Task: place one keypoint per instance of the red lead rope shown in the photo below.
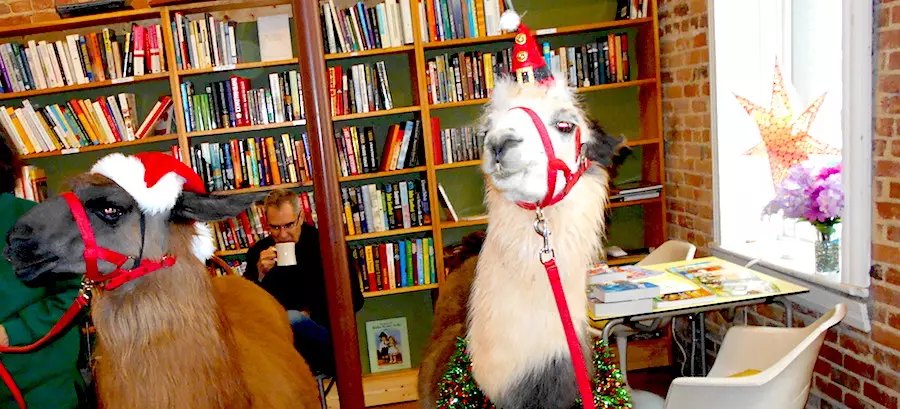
(110, 281)
(581, 377)
(80, 302)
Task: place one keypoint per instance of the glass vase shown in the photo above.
(828, 252)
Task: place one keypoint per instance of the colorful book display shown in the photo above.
(394, 264)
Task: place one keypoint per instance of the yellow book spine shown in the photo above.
(20, 130)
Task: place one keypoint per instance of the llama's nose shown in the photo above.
(502, 145)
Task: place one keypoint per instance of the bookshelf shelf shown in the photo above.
(91, 148)
(236, 67)
(371, 294)
(464, 223)
(389, 233)
(542, 32)
(78, 87)
(641, 202)
(454, 165)
(365, 53)
(373, 114)
(79, 22)
(614, 85)
(225, 253)
(457, 104)
(593, 88)
(376, 175)
(251, 128)
(223, 5)
(262, 188)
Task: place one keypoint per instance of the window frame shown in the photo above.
(857, 128)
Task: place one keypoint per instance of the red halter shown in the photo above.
(547, 255)
(555, 165)
(93, 277)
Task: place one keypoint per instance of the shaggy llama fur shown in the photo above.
(501, 301)
(175, 338)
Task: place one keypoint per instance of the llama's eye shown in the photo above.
(565, 127)
(109, 214)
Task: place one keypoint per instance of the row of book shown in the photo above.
(238, 267)
(394, 264)
(359, 88)
(632, 9)
(81, 59)
(463, 76)
(244, 230)
(603, 61)
(205, 42)
(459, 144)
(457, 19)
(358, 154)
(233, 103)
(361, 27)
(78, 123)
(252, 162)
(379, 207)
(31, 184)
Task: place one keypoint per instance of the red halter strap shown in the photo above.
(554, 165)
(92, 252)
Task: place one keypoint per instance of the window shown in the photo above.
(822, 49)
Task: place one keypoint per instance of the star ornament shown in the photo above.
(785, 136)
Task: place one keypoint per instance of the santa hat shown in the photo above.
(155, 180)
(528, 62)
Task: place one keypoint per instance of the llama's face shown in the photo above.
(46, 239)
(514, 157)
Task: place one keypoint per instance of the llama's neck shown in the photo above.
(515, 331)
(163, 343)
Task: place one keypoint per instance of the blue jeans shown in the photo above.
(313, 342)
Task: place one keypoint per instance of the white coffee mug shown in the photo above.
(285, 254)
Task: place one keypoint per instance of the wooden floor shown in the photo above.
(655, 380)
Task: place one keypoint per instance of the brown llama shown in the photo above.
(176, 337)
(500, 302)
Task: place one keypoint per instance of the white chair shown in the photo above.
(756, 368)
(670, 251)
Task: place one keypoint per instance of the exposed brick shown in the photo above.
(4, 9)
(20, 6)
(831, 390)
(863, 369)
(823, 367)
(885, 126)
(893, 320)
(890, 104)
(887, 358)
(885, 254)
(855, 345)
(889, 83)
(830, 353)
(891, 275)
(845, 379)
(43, 5)
(884, 17)
(895, 149)
(888, 40)
(700, 40)
(854, 402)
(891, 381)
(693, 90)
(886, 336)
(893, 233)
(880, 148)
(879, 395)
(14, 20)
(894, 190)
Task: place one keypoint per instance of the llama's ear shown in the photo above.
(559, 88)
(602, 148)
(207, 208)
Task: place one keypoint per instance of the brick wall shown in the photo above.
(14, 12)
(686, 119)
(855, 370)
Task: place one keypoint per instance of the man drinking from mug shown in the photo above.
(293, 274)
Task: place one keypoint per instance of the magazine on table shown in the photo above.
(725, 281)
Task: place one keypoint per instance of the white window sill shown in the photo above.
(823, 293)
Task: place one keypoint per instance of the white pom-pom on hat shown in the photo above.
(509, 20)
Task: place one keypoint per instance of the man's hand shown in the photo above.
(4, 339)
(266, 261)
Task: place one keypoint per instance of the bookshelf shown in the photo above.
(631, 108)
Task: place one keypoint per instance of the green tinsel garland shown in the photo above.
(457, 388)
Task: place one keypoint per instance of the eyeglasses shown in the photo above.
(286, 226)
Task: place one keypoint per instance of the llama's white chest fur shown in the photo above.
(514, 324)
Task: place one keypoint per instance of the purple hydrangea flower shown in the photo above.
(811, 194)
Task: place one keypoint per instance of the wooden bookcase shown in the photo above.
(631, 108)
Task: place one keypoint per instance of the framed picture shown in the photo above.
(388, 342)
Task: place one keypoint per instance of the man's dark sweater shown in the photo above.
(300, 287)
